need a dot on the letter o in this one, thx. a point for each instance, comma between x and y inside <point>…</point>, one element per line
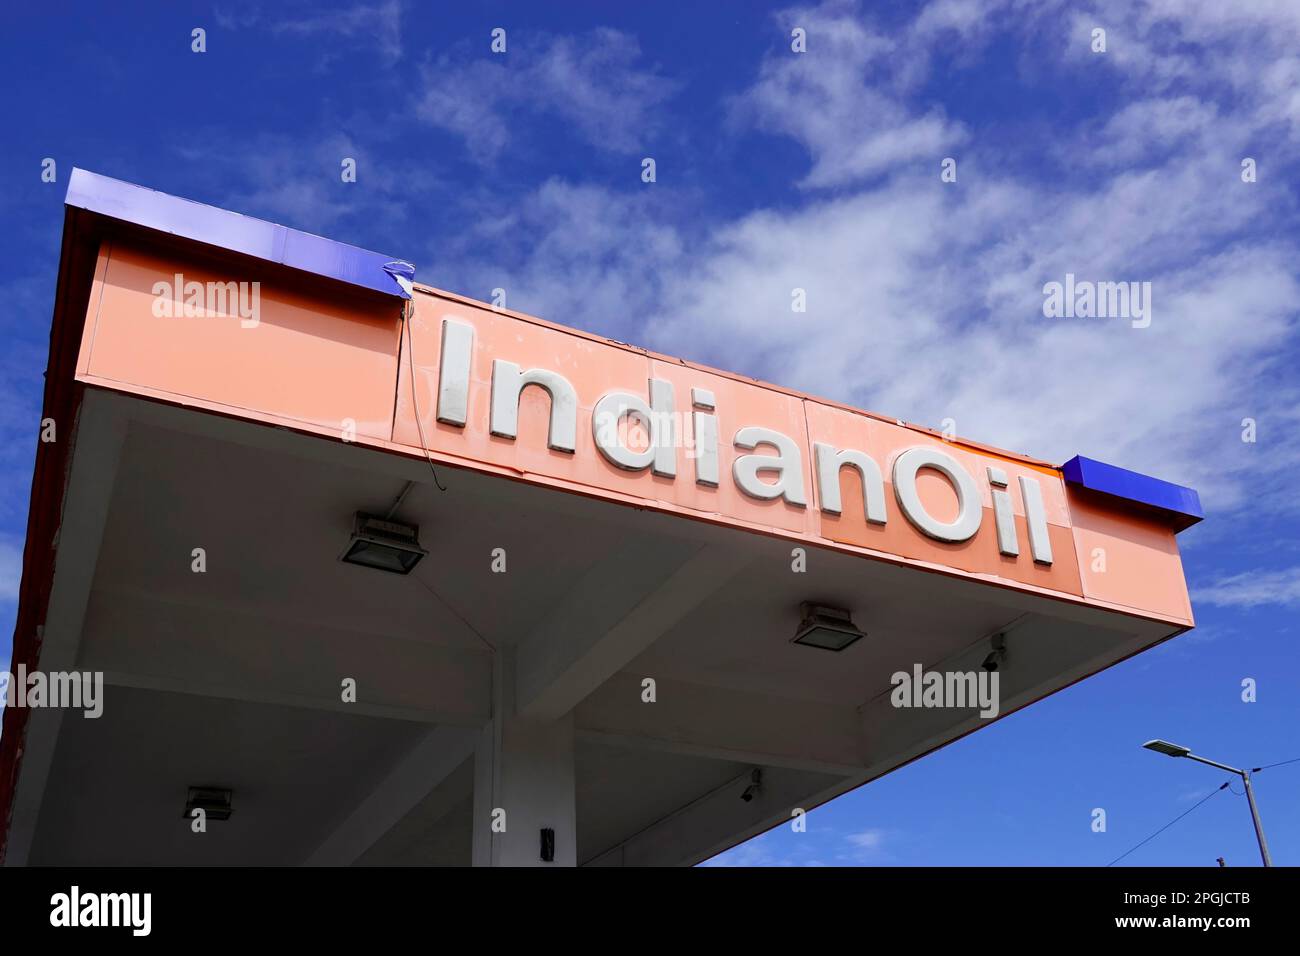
<point>970,510</point>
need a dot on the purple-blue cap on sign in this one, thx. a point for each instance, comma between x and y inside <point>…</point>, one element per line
<point>230,230</point>
<point>1180,506</point>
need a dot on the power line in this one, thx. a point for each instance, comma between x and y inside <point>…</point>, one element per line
<point>1280,763</point>
<point>1169,824</point>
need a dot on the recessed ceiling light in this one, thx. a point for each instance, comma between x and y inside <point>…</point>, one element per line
<point>829,628</point>
<point>384,545</point>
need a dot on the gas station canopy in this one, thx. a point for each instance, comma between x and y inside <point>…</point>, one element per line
<point>604,557</point>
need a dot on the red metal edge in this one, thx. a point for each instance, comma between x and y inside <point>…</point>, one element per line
<point>62,402</point>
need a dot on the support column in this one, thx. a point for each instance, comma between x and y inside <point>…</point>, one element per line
<point>523,782</point>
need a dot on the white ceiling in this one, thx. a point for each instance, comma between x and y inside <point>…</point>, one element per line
<point>277,612</point>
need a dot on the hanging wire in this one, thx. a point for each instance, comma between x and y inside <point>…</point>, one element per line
<point>410,360</point>
<point>1169,824</point>
<point>1226,786</point>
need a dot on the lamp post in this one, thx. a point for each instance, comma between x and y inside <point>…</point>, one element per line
<point>1174,750</point>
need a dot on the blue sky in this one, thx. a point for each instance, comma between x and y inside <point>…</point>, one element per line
<point>819,170</point>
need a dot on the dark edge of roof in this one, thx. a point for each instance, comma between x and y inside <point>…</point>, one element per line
<point>62,402</point>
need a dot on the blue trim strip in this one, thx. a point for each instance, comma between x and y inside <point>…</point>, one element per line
<point>1180,506</point>
<point>230,230</point>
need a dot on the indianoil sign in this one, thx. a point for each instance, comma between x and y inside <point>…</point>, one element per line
<point>507,394</point>
<point>551,404</point>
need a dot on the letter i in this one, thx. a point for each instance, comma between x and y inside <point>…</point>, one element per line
<point>1003,515</point>
<point>1040,542</point>
<point>705,428</point>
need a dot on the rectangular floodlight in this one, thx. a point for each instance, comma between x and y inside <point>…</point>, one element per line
<point>1166,748</point>
<point>828,628</point>
<point>384,545</point>
<point>215,802</point>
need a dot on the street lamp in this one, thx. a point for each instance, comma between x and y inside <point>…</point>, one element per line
<point>1174,750</point>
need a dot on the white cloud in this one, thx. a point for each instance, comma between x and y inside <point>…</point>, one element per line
<point>867,839</point>
<point>1253,589</point>
<point>866,847</point>
<point>927,305</point>
<point>299,184</point>
<point>576,254</point>
<point>378,24</point>
<point>1199,42</point>
<point>763,851</point>
<point>841,101</point>
<point>1158,123</point>
<point>593,82</point>
<point>925,299</point>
